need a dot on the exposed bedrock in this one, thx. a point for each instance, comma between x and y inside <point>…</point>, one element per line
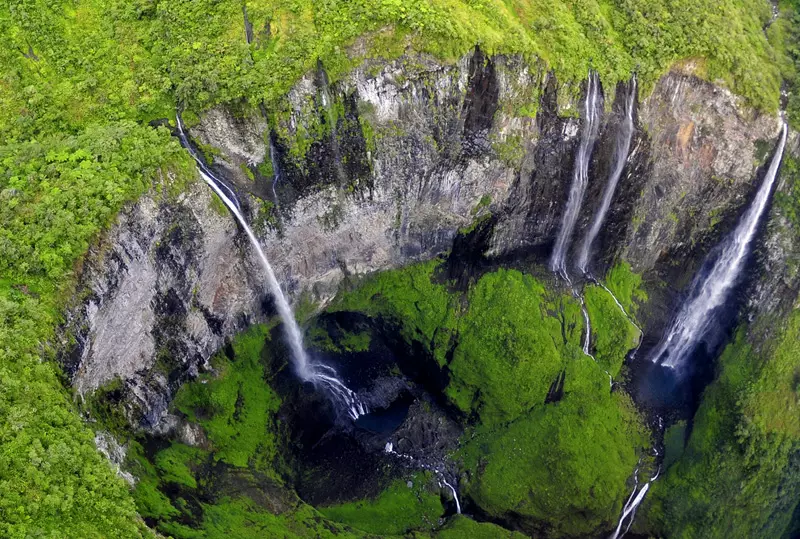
<point>383,168</point>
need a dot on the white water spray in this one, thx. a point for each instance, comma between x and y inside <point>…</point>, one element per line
<point>580,176</point>
<point>620,157</point>
<point>711,289</point>
<point>315,373</point>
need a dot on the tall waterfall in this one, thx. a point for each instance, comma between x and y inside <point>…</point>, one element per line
<point>317,374</point>
<point>580,175</point>
<point>711,287</point>
<point>620,157</point>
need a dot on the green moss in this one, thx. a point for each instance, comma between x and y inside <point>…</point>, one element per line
<point>355,342</point>
<point>626,286</point>
<point>174,464</point>
<point>247,172</point>
<point>426,311</point>
<point>462,527</point>
<point>563,465</point>
<point>397,510</point>
<point>510,346</point>
<point>509,149</point>
<point>613,335</point>
<point>233,404</point>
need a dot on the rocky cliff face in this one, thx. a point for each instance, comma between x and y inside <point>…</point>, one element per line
<point>160,294</point>
<point>384,168</point>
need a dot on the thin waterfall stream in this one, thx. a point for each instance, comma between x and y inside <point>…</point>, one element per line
<point>580,175</point>
<point>632,503</point>
<point>717,277</point>
<point>318,374</point>
<point>623,146</point>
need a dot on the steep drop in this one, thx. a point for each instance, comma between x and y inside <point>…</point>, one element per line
<point>719,274</point>
<point>580,176</point>
<point>317,374</point>
<point>620,157</point>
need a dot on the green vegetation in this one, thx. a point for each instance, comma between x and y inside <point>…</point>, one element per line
<point>613,335</point>
<point>788,200</point>
<point>564,465</point>
<point>425,311</point>
<point>461,527</point>
<point>71,65</point>
<point>626,286</point>
<point>232,404</point>
<point>82,79</point>
<point>734,478</point>
<point>513,342</point>
<point>57,194</point>
<point>227,486</point>
<point>397,510</point>
<point>546,463</point>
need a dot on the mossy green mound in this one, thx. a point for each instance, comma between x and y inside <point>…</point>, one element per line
<point>397,510</point>
<point>561,466</point>
<point>513,341</point>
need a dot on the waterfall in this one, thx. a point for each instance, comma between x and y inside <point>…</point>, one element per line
<point>580,176</point>
<point>620,157</point>
<point>711,287</point>
<point>315,373</point>
<point>629,509</point>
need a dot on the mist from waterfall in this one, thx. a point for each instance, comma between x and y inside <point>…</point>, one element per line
<point>580,175</point>
<point>717,277</point>
<point>317,374</point>
<point>620,157</point>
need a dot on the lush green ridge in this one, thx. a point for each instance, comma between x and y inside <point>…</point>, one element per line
<point>69,65</point>
<point>57,194</point>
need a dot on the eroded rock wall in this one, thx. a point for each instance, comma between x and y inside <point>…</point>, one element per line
<point>382,169</point>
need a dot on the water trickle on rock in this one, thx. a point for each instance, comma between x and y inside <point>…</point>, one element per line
<point>719,273</point>
<point>580,176</point>
<point>318,374</point>
<point>623,145</point>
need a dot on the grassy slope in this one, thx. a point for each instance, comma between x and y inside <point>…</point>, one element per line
<point>74,64</point>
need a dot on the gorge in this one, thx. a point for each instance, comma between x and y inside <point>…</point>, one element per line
<point>399,269</point>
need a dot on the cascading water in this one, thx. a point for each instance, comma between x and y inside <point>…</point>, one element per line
<point>629,509</point>
<point>580,176</point>
<point>620,157</point>
<point>317,374</point>
<point>711,287</point>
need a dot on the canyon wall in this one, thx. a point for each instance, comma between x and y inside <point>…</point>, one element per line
<point>387,167</point>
